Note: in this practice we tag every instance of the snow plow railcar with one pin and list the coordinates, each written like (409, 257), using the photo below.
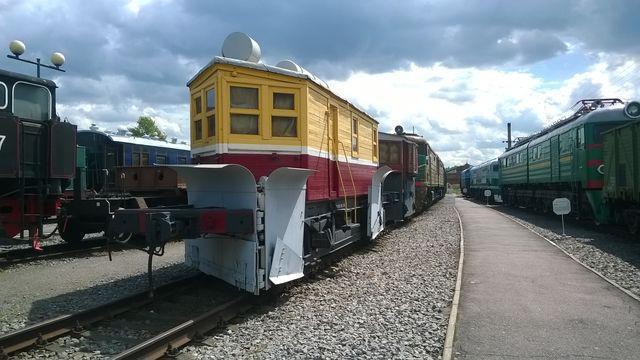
(285, 172)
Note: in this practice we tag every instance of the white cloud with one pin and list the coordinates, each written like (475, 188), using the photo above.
(463, 112)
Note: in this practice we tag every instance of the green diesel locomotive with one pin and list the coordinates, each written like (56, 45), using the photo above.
(567, 160)
(621, 167)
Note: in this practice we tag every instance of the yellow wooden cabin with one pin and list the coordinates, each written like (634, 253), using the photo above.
(240, 107)
(266, 117)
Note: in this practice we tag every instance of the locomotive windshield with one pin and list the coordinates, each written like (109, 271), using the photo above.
(602, 128)
(31, 102)
(3, 95)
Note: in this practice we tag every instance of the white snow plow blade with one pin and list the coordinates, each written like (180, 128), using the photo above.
(230, 258)
(409, 196)
(284, 223)
(376, 218)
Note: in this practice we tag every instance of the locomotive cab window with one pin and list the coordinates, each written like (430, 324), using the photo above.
(284, 115)
(210, 112)
(244, 110)
(31, 101)
(3, 95)
(198, 129)
(196, 115)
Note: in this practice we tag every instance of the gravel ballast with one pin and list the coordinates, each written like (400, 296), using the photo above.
(390, 300)
(615, 257)
(43, 289)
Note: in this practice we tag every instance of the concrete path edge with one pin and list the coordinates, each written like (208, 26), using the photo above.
(447, 353)
(632, 295)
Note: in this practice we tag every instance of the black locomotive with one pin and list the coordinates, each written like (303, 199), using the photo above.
(37, 154)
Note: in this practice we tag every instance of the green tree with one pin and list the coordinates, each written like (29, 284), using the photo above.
(147, 126)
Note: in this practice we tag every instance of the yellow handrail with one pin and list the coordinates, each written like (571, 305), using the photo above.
(353, 184)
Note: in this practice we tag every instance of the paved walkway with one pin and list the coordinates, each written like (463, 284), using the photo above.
(522, 298)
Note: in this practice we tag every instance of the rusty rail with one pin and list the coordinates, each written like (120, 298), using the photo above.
(40, 333)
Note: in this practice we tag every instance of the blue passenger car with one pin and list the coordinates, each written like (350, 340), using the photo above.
(109, 150)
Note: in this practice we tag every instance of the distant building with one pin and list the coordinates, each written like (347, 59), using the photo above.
(453, 174)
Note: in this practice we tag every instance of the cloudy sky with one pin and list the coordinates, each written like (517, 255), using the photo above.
(455, 71)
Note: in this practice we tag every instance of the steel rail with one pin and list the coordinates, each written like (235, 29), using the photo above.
(167, 343)
(40, 333)
(18, 256)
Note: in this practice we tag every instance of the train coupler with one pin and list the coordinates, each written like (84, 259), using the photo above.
(161, 225)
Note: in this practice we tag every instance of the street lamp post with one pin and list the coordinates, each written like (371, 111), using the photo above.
(18, 48)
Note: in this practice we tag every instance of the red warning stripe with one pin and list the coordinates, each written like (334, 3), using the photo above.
(594, 163)
(594, 184)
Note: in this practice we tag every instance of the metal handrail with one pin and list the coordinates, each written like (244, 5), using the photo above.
(353, 184)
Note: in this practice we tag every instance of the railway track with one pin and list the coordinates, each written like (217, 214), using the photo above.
(17, 256)
(177, 325)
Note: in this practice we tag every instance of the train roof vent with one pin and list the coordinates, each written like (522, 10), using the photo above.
(174, 140)
(94, 127)
(122, 132)
(290, 65)
(241, 46)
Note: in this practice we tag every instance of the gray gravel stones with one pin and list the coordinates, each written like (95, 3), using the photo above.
(614, 257)
(43, 289)
(390, 300)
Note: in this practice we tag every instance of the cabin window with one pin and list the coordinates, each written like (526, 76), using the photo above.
(599, 129)
(161, 159)
(3, 95)
(394, 153)
(283, 126)
(197, 105)
(198, 125)
(244, 124)
(244, 98)
(354, 135)
(31, 102)
(244, 110)
(211, 125)
(210, 112)
(580, 138)
(145, 158)
(496, 168)
(284, 101)
(197, 116)
(211, 99)
(284, 119)
(135, 159)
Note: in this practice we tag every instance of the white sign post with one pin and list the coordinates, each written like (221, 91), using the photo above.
(562, 206)
(487, 194)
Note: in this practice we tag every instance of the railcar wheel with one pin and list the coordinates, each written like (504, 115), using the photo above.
(70, 231)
